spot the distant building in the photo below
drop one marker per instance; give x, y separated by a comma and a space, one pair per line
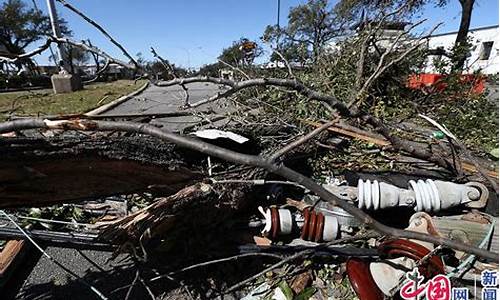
484, 54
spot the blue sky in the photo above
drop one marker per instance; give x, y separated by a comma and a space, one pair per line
191, 33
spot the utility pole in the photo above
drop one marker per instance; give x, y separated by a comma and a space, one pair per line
56, 31
278, 19
64, 82
278, 25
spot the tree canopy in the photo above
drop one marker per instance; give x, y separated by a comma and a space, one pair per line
310, 27
235, 55
22, 25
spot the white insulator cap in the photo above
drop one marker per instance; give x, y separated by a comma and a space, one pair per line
286, 222
330, 228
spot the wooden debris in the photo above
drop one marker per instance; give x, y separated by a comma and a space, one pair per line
10, 255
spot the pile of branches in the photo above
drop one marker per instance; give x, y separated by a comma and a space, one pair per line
148, 159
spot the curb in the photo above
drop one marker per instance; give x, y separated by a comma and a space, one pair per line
114, 103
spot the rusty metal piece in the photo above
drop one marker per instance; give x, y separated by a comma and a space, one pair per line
358, 272
430, 226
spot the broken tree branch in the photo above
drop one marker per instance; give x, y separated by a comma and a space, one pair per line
171, 69
297, 255
17, 58
245, 159
94, 50
234, 68
452, 137
261, 82
302, 140
217, 261
102, 30
399, 144
99, 72
383, 65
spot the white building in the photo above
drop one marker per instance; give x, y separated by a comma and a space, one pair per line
484, 54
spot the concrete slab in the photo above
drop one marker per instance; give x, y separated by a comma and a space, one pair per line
66, 83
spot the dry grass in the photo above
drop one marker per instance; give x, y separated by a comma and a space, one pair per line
45, 102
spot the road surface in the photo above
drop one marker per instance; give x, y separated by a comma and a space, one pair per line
171, 100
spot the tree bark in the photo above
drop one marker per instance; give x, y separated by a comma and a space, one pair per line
36, 172
461, 40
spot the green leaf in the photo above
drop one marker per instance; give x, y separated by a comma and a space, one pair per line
494, 152
306, 293
286, 290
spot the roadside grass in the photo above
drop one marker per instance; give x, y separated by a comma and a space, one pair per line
45, 102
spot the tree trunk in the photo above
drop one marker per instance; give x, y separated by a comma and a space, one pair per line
461, 40
39, 172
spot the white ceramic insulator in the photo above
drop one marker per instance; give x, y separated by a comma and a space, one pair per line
286, 223
426, 195
368, 194
267, 219
330, 228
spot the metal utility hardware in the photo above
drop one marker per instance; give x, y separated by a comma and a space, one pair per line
313, 225
424, 195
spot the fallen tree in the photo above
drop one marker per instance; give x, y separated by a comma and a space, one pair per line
41, 172
245, 159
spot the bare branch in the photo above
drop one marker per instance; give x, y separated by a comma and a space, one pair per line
99, 72
94, 50
171, 69
397, 143
285, 61
24, 56
452, 137
215, 261
234, 68
102, 30
383, 65
302, 140
235, 157
298, 255
278, 82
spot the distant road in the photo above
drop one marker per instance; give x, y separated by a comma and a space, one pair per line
171, 99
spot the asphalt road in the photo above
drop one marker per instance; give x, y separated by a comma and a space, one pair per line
171, 100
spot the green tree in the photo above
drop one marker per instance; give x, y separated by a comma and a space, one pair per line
310, 28
21, 26
352, 9
234, 55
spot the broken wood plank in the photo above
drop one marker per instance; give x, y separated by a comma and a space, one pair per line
12, 253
